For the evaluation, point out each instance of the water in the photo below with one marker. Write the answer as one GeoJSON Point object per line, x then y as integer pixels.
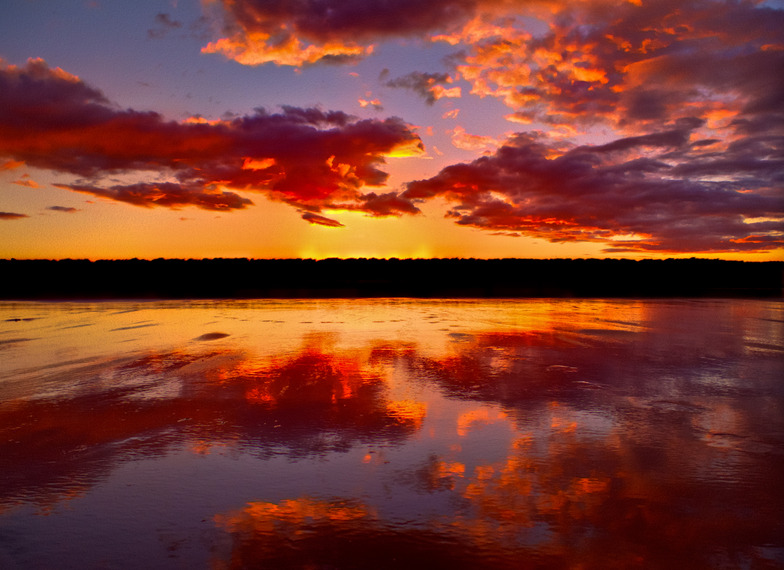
{"type": "Point", "coordinates": [392, 433]}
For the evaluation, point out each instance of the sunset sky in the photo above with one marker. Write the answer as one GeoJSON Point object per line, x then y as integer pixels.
{"type": "Point", "coordinates": [392, 128]}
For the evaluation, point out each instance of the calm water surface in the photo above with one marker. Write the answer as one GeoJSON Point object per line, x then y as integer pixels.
{"type": "Point", "coordinates": [392, 434]}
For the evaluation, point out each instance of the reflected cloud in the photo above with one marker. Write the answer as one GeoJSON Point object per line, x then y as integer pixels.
{"type": "Point", "coordinates": [314, 532]}
{"type": "Point", "coordinates": [309, 403]}
{"type": "Point", "coordinates": [544, 434]}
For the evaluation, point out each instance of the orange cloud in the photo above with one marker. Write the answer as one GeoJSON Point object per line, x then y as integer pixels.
{"type": "Point", "coordinates": [463, 140]}
{"type": "Point", "coordinates": [256, 48]}
{"type": "Point", "coordinates": [451, 114]}
{"type": "Point", "coordinates": [440, 92]}
{"type": "Point", "coordinates": [28, 182]}
{"type": "Point", "coordinates": [11, 164]}
{"type": "Point", "coordinates": [374, 103]}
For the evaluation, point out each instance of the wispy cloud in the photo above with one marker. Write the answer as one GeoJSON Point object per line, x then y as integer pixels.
{"type": "Point", "coordinates": [164, 24]}
{"type": "Point", "coordinates": [12, 216]}
{"type": "Point", "coordinates": [27, 181]}
{"type": "Point", "coordinates": [319, 220]}
{"type": "Point", "coordinates": [429, 86]}
{"type": "Point", "coordinates": [63, 209]}
{"type": "Point", "coordinates": [372, 103]}
{"type": "Point", "coordinates": [467, 141]}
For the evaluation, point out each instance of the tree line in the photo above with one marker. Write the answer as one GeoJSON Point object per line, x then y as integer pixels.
{"type": "Point", "coordinates": [424, 278]}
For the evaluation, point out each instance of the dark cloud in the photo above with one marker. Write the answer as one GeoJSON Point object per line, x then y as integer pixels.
{"type": "Point", "coordinates": [166, 194]}
{"type": "Point", "coordinates": [306, 32]}
{"type": "Point", "coordinates": [12, 216]}
{"type": "Point", "coordinates": [429, 86]}
{"type": "Point", "coordinates": [321, 220]}
{"type": "Point", "coordinates": [674, 199]}
{"type": "Point", "coordinates": [63, 209]}
{"type": "Point", "coordinates": [336, 20]}
{"type": "Point", "coordinates": [379, 205]}
{"type": "Point", "coordinates": [309, 158]}
{"type": "Point", "coordinates": [164, 24]}
{"type": "Point", "coordinates": [389, 204]}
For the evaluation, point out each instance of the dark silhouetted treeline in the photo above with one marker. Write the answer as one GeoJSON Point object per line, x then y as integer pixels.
{"type": "Point", "coordinates": [295, 278]}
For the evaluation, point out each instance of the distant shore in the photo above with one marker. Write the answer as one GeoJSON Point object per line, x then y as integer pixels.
{"type": "Point", "coordinates": [422, 278]}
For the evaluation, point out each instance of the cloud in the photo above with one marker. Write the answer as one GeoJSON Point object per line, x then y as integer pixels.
{"type": "Point", "coordinates": [318, 220]}
{"type": "Point", "coordinates": [655, 192]}
{"type": "Point", "coordinates": [64, 209]}
{"type": "Point", "coordinates": [165, 194]}
{"type": "Point", "coordinates": [325, 31]}
{"type": "Point", "coordinates": [259, 48]}
{"type": "Point", "coordinates": [562, 63]}
{"type": "Point", "coordinates": [164, 24]}
{"type": "Point", "coordinates": [466, 141]}
{"type": "Point", "coordinates": [12, 216]}
{"type": "Point", "coordinates": [629, 64]}
{"type": "Point", "coordinates": [309, 158]}
{"type": "Point", "coordinates": [11, 164]}
{"type": "Point", "coordinates": [692, 90]}
{"type": "Point", "coordinates": [551, 61]}
{"type": "Point", "coordinates": [26, 181]}
{"type": "Point", "coordinates": [429, 86]}
{"type": "Point", "coordinates": [373, 103]}
{"type": "Point", "coordinates": [452, 114]}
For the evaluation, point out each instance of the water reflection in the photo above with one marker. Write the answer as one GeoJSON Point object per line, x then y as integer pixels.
{"type": "Point", "coordinates": [312, 402]}
{"type": "Point", "coordinates": [392, 433]}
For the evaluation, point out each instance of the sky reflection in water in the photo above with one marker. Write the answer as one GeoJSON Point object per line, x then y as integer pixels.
{"type": "Point", "coordinates": [392, 433]}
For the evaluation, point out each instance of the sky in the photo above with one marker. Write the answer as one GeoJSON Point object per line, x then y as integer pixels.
{"type": "Point", "coordinates": [392, 128]}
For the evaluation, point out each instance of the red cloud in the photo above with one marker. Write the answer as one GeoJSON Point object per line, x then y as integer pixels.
{"type": "Point", "coordinates": [309, 158]}
{"type": "Point", "coordinates": [647, 193]}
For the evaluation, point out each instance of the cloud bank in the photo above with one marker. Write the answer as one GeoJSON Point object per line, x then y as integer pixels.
{"type": "Point", "coordinates": [309, 158]}
{"type": "Point", "coordinates": [661, 192]}
{"type": "Point", "coordinates": [692, 91]}
{"type": "Point", "coordinates": [682, 100]}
